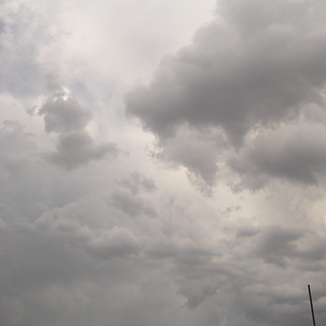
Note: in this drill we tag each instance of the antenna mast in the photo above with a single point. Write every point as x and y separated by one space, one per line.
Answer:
312 307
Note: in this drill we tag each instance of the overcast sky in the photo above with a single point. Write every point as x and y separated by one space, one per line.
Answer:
163 162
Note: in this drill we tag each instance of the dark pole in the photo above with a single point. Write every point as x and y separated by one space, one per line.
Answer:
311 306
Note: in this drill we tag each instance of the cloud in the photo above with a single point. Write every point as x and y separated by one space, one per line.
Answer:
276 245
295 153
68 119
15 144
31 30
117 242
78 148
131 204
254 65
194 150
64 115
138 183
125 241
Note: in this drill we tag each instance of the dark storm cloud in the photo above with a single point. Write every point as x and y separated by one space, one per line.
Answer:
257 64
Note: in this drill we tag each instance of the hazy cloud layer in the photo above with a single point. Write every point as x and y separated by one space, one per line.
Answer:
213 213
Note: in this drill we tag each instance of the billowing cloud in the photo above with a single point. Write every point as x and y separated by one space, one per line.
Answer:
256 65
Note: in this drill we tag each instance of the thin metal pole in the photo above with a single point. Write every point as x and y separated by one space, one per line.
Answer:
311 306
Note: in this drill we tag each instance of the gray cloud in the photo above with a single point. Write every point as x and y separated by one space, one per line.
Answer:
295 153
117 242
68 119
276 245
138 183
19 162
78 148
255 65
24 34
131 204
64 115
247 231
128 243
15 143
195 151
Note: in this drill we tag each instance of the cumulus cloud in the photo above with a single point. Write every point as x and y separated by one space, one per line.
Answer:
255 65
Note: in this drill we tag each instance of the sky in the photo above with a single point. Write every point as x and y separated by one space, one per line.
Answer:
162 162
